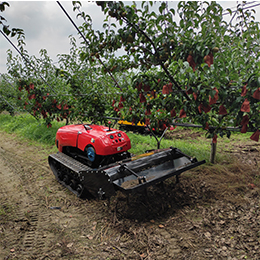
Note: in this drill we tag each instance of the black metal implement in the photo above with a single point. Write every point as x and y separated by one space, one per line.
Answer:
123 167
128 177
156 168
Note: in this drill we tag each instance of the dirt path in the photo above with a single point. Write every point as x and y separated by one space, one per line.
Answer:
30 227
210 214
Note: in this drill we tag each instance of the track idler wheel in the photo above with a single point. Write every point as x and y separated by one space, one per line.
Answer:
73 184
66 179
59 174
79 189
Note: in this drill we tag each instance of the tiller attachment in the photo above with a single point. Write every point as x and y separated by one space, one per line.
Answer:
129 176
157 166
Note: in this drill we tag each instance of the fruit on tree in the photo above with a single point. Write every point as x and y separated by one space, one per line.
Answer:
215 49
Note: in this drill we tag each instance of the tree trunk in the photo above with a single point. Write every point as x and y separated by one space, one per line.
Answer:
213 151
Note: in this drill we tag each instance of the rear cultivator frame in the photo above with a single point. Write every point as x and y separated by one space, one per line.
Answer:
128 176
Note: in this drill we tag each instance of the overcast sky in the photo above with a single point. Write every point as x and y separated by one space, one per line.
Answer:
46 26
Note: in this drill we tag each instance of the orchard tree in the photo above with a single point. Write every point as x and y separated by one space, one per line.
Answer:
8 95
190 64
71 91
185 65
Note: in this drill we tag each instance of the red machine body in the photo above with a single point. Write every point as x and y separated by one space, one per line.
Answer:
104 140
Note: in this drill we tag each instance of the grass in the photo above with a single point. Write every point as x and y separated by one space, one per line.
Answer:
27 127
194 148
5 209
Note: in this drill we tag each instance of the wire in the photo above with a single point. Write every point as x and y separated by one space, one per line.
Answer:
10 104
228 128
25 59
84 38
244 4
14 88
244 8
3 76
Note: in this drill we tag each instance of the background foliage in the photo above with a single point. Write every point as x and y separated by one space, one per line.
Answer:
149 63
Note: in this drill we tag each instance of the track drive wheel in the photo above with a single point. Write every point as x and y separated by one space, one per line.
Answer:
93 158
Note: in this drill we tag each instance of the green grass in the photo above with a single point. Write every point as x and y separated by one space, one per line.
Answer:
26 126
5 209
194 148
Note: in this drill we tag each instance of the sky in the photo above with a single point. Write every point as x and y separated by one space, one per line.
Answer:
46 26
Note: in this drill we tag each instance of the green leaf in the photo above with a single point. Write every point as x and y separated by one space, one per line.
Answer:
6 30
172 11
162 7
2 6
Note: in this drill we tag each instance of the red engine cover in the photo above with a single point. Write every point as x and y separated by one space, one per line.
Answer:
104 141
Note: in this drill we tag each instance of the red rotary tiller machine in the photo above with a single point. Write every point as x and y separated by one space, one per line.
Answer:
94 160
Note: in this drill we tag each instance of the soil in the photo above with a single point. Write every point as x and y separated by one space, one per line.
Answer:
212 213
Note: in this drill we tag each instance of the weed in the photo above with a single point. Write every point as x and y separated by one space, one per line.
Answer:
6 210
2 211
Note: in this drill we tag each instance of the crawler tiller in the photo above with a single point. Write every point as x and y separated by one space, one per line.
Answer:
95 160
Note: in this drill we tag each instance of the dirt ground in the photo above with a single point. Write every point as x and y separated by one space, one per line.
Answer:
212 213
